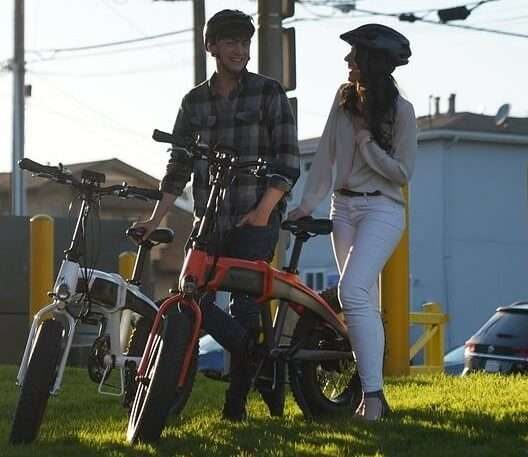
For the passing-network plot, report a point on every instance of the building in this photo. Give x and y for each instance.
(468, 218)
(45, 197)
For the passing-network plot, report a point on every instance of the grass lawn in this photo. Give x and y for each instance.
(481, 415)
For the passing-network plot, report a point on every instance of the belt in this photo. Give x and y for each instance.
(353, 193)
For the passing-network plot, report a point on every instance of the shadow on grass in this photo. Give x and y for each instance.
(82, 424)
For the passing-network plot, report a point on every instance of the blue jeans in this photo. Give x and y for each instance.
(249, 243)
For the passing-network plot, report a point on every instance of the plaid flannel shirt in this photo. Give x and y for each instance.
(255, 119)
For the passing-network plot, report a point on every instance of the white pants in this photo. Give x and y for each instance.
(366, 230)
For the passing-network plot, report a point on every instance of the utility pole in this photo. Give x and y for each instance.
(276, 59)
(200, 62)
(18, 193)
(270, 38)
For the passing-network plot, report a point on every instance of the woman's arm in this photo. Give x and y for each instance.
(399, 167)
(320, 178)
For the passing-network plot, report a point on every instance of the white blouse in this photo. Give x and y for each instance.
(360, 163)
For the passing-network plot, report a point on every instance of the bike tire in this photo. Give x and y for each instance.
(156, 397)
(136, 346)
(40, 376)
(306, 377)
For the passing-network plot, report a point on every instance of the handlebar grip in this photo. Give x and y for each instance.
(135, 233)
(308, 224)
(35, 167)
(162, 137)
(152, 194)
(178, 141)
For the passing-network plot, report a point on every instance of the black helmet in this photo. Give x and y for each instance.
(377, 36)
(228, 23)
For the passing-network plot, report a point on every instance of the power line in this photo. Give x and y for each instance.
(108, 52)
(408, 18)
(412, 16)
(108, 44)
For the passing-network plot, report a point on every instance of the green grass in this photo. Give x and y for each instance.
(481, 415)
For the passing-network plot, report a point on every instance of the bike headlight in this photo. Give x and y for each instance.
(63, 292)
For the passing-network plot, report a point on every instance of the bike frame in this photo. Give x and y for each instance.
(65, 292)
(202, 272)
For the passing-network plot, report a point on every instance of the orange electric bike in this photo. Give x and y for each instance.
(315, 355)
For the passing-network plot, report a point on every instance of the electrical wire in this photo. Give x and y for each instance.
(447, 24)
(412, 17)
(108, 44)
(63, 57)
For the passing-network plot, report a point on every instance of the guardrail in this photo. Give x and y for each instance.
(432, 339)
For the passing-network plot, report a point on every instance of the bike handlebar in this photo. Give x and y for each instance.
(220, 154)
(35, 167)
(59, 175)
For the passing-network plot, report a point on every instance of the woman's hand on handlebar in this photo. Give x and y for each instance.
(147, 227)
(296, 213)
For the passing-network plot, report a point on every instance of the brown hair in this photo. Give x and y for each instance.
(380, 96)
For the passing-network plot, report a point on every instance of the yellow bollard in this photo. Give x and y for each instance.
(395, 305)
(434, 348)
(126, 262)
(41, 241)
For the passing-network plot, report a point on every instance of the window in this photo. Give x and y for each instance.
(307, 166)
(315, 280)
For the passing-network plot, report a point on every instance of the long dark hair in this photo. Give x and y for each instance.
(380, 96)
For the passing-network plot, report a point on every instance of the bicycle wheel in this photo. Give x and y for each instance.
(156, 394)
(136, 346)
(323, 388)
(38, 381)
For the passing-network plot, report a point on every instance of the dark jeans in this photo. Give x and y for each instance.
(250, 243)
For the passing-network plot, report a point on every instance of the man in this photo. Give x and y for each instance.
(250, 113)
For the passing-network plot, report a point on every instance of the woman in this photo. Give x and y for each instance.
(370, 138)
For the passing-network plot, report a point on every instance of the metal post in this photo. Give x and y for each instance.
(270, 38)
(434, 348)
(18, 196)
(200, 63)
(41, 245)
(126, 261)
(395, 306)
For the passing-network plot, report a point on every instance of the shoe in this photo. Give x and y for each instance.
(373, 407)
(272, 372)
(234, 408)
(239, 384)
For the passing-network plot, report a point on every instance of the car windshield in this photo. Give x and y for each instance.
(506, 328)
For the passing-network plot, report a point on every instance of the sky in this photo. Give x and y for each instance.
(104, 103)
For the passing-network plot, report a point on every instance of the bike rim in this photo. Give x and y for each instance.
(335, 384)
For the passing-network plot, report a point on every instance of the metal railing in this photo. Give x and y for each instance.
(432, 339)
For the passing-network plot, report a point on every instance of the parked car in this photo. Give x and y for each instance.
(501, 344)
(212, 359)
(454, 361)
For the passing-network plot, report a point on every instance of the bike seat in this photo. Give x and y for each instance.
(308, 225)
(161, 235)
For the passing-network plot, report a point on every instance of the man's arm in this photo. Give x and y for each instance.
(260, 215)
(285, 166)
(177, 175)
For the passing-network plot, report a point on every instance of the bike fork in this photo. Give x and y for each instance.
(37, 320)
